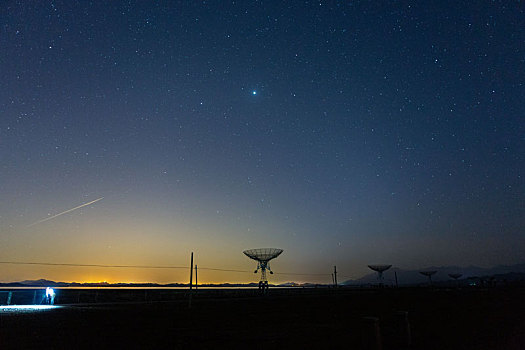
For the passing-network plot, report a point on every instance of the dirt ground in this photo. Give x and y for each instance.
(298, 319)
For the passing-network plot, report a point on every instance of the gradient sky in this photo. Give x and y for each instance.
(344, 133)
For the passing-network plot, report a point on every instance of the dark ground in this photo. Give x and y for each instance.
(292, 318)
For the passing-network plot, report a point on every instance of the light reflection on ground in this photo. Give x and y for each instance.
(26, 308)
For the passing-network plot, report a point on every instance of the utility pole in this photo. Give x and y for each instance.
(191, 271)
(196, 281)
(333, 280)
(335, 276)
(191, 280)
(395, 274)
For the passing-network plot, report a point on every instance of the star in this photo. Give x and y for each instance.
(254, 92)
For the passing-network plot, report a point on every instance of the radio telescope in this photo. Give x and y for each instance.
(455, 275)
(263, 257)
(380, 269)
(428, 274)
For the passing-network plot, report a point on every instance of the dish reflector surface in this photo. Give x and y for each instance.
(263, 254)
(379, 268)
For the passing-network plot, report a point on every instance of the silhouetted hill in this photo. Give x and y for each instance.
(43, 283)
(295, 284)
(49, 283)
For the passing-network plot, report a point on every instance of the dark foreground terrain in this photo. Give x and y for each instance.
(292, 318)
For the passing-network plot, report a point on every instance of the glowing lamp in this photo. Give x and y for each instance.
(50, 292)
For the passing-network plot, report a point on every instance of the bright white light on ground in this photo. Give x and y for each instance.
(25, 308)
(50, 292)
(254, 92)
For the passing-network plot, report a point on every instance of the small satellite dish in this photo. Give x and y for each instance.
(263, 257)
(380, 269)
(455, 275)
(428, 274)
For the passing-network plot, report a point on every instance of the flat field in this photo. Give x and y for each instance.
(291, 318)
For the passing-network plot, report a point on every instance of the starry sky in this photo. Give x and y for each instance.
(345, 133)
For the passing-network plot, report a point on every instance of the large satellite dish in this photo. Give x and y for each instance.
(263, 257)
(428, 274)
(380, 269)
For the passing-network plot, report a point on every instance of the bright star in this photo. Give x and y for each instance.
(254, 92)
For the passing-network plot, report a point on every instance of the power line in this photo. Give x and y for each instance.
(277, 273)
(301, 274)
(150, 267)
(226, 270)
(93, 265)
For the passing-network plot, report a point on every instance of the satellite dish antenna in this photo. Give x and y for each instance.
(455, 276)
(380, 269)
(263, 257)
(428, 274)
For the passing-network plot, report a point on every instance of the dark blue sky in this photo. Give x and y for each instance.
(348, 134)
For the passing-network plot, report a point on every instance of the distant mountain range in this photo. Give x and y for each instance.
(404, 277)
(49, 283)
(295, 284)
(411, 277)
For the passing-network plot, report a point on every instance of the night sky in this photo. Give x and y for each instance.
(344, 133)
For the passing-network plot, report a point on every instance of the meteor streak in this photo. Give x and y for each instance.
(64, 212)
